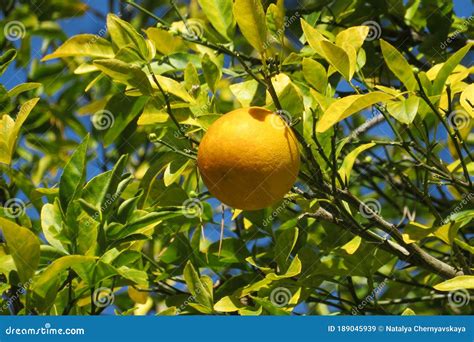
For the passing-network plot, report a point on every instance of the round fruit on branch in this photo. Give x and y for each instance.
(249, 158)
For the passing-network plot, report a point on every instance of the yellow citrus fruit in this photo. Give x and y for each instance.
(249, 158)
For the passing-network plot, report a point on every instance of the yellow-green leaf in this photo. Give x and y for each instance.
(24, 247)
(447, 68)
(123, 34)
(83, 45)
(250, 17)
(337, 57)
(345, 107)
(351, 41)
(349, 160)
(165, 42)
(456, 283)
(415, 231)
(408, 312)
(10, 130)
(404, 110)
(228, 304)
(315, 74)
(398, 65)
(313, 37)
(467, 99)
(352, 246)
(219, 13)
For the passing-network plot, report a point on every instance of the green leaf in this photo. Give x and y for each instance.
(398, 65)
(24, 87)
(404, 110)
(245, 92)
(200, 287)
(125, 73)
(345, 107)
(51, 221)
(456, 283)
(315, 74)
(338, 58)
(49, 277)
(250, 17)
(212, 73)
(74, 175)
(124, 110)
(24, 247)
(5, 60)
(447, 69)
(293, 270)
(10, 130)
(123, 34)
(349, 160)
(83, 45)
(285, 243)
(220, 15)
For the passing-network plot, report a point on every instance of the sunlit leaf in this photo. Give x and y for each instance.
(345, 107)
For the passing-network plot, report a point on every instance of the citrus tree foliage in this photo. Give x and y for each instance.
(103, 204)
